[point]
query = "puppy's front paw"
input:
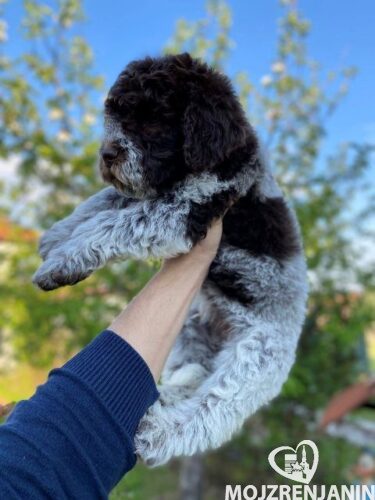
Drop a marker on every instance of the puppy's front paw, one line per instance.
(48, 242)
(54, 273)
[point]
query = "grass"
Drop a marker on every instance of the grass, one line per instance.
(20, 383)
(141, 483)
(370, 342)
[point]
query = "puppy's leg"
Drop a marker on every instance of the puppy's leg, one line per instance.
(144, 228)
(190, 361)
(187, 366)
(248, 373)
(62, 230)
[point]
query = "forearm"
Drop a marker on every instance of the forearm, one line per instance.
(151, 322)
(89, 408)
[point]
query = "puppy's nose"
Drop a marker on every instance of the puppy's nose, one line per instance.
(109, 154)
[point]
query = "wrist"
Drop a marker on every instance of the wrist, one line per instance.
(199, 258)
(189, 265)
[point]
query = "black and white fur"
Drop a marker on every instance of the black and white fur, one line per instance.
(179, 153)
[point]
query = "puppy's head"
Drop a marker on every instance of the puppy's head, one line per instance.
(167, 118)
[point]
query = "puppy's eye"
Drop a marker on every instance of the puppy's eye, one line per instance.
(118, 106)
(111, 105)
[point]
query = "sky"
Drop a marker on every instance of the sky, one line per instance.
(342, 35)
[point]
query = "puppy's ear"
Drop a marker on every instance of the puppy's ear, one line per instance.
(213, 128)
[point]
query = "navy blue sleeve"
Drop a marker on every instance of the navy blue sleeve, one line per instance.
(74, 438)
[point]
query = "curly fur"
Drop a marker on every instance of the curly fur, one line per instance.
(179, 152)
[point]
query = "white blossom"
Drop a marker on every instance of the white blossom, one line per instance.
(266, 80)
(55, 114)
(89, 119)
(278, 67)
(272, 114)
(63, 136)
(3, 31)
(15, 127)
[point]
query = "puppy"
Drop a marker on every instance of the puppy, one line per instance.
(179, 152)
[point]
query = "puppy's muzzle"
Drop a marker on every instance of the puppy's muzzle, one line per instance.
(112, 153)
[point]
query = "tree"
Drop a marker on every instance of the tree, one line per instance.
(290, 107)
(49, 131)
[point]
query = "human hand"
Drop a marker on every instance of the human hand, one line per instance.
(203, 253)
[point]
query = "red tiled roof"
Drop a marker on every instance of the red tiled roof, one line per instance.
(347, 400)
(11, 232)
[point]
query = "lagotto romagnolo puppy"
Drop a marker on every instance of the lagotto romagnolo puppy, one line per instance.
(179, 151)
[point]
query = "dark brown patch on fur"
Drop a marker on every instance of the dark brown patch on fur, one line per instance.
(202, 214)
(262, 226)
(229, 283)
(244, 157)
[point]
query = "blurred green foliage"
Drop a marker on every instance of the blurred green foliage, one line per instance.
(49, 130)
